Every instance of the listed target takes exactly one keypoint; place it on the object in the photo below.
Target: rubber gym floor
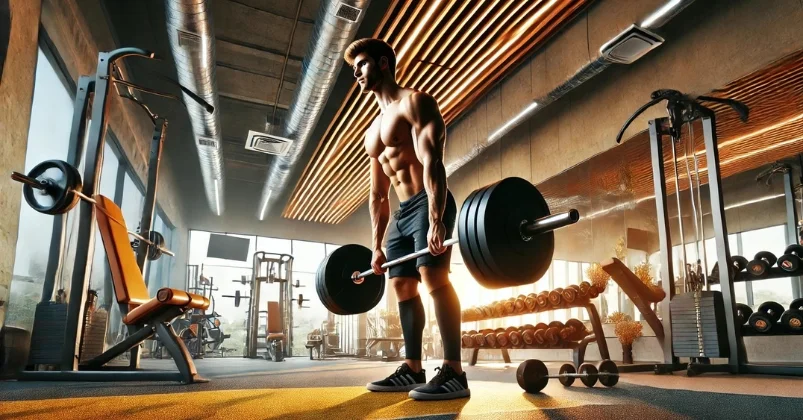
(334, 389)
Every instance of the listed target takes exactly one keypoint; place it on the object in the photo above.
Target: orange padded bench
(144, 316)
(274, 328)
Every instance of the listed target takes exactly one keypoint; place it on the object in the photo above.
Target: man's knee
(434, 277)
(405, 287)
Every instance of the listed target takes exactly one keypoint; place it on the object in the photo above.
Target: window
(48, 138)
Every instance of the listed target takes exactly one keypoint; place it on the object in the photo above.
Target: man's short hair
(374, 48)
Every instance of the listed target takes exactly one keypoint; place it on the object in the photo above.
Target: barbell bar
(529, 229)
(64, 191)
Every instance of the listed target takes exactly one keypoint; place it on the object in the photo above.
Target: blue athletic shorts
(408, 233)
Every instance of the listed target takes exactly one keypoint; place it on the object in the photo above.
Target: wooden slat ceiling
(623, 174)
(455, 50)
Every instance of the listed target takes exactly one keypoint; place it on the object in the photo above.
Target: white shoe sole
(402, 388)
(423, 396)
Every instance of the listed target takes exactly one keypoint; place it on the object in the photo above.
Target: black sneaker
(404, 379)
(446, 385)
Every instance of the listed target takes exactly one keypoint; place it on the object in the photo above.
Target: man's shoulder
(417, 101)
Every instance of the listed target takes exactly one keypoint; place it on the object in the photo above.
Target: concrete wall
(707, 45)
(79, 30)
(16, 96)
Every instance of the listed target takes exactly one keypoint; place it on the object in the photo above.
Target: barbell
(533, 375)
(505, 234)
(54, 187)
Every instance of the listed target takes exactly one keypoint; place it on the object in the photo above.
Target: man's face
(367, 72)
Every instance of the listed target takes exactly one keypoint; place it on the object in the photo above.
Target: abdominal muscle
(406, 173)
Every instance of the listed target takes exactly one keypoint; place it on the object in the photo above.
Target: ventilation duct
(654, 20)
(335, 28)
(192, 40)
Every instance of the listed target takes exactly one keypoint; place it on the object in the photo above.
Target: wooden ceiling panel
(455, 50)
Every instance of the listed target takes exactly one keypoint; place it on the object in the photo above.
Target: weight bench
(638, 292)
(143, 316)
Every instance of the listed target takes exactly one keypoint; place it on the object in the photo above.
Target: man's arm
(378, 204)
(430, 136)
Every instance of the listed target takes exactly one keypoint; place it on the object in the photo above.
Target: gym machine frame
(252, 330)
(94, 90)
(737, 357)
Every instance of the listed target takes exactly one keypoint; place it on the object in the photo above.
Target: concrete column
(16, 96)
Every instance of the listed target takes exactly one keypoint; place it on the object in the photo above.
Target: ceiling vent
(189, 40)
(630, 45)
(349, 13)
(268, 143)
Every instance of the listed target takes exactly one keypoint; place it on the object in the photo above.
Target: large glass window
(48, 138)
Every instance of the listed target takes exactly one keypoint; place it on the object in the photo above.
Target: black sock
(412, 318)
(447, 312)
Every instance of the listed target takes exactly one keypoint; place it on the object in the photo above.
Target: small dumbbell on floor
(766, 316)
(533, 375)
(792, 319)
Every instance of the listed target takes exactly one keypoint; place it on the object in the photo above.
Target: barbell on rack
(505, 234)
(54, 187)
(237, 297)
(533, 375)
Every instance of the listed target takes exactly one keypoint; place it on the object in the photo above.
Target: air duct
(654, 20)
(335, 28)
(192, 42)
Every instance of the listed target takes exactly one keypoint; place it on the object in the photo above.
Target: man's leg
(447, 312)
(412, 318)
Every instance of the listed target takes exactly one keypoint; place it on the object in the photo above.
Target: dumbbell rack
(578, 347)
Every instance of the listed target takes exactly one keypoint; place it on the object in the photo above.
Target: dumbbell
(552, 334)
(509, 306)
(766, 316)
(466, 341)
(515, 338)
(528, 336)
(791, 258)
(793, 318)
(584, 287)
(739, 263)
(520, 305)
(743, 313)
(533, 375)
(539, 338)
(556, 297)
(490, 339)
(570, 293)
(761, 263)
(542, 300)
(580, 331)
(530, 302)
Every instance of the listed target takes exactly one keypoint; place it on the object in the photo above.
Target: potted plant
(627, 331)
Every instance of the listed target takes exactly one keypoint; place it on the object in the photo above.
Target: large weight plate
(532, 376)
(339, 294)
(466, 232)
(512, 259)
(58, 197)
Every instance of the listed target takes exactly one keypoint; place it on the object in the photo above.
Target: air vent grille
(207, 142)
(349, 13)
(189, 40)
(267, 143)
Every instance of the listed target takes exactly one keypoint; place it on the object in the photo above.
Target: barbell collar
(529, 229)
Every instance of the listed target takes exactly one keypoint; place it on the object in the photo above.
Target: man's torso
(390, 139)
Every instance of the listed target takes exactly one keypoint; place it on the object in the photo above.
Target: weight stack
(49, 330)
(94, 335)
(698, 325)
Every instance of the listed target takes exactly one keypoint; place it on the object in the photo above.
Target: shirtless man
(405, 144)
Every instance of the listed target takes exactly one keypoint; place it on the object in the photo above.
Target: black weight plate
(794, 249)
(775, 308)
(567, 368)
(797, 304)
(343, 296)
(768, 256)
(591, 371)
(473, 257)
(608, 367)
(739, 262)
(58, 197)
(789, 263)
(532, 376)
(743, 313)
(792, 320)
(513, 259)
(320, 282)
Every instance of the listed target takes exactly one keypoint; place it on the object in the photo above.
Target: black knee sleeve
(447, 312)
(412, 318)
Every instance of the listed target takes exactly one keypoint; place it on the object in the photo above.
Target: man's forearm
(380, 213)
(435, 184)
